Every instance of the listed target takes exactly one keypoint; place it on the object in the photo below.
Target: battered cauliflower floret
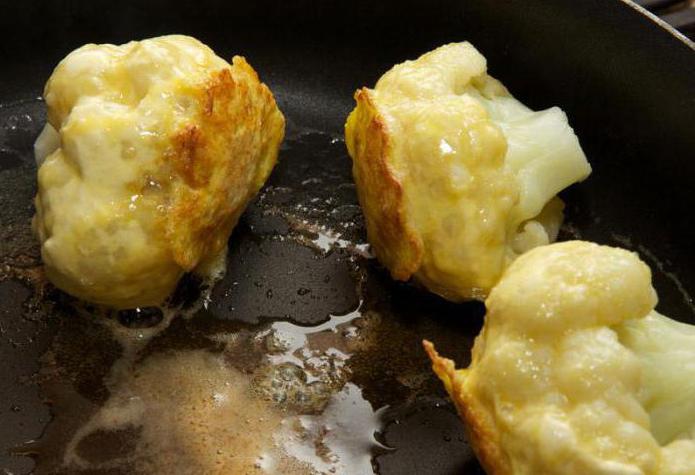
(456, 178)
(574, 373)
(151, 152)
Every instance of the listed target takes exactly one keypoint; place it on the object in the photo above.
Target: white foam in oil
(194, 412)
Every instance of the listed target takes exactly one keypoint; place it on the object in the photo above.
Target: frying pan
(626, 82)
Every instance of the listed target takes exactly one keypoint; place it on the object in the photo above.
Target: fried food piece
(455, 177)
(151, 152)
(574, 373)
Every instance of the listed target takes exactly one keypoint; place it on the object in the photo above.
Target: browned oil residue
(304, 359)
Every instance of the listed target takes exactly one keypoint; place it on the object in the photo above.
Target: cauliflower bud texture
(151, 152)
(456, 178)
(574, 373)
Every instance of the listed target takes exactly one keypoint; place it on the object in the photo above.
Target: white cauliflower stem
(457, 178)
(666, 349)
(574, 373)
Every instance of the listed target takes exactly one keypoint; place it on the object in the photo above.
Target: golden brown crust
(167, 172)
(480, 427)
(187, 159)
(222, 157)
(379, 190)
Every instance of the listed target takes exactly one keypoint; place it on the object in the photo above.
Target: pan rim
(654, 19)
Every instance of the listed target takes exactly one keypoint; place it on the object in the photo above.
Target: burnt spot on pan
(20, 124)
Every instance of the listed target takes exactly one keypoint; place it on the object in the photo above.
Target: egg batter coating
(455, 177)
(151, 153)
(574, 373)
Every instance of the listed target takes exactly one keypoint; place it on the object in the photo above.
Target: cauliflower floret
(574, 373)
(151, 152)
(456, 178)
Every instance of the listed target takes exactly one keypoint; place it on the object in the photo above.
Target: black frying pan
(626, 82)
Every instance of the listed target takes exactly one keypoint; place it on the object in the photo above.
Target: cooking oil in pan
(305, 358)
(200, 394)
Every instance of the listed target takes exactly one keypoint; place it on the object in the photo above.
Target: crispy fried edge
(379, 189)
(189, 157)
(480, 426)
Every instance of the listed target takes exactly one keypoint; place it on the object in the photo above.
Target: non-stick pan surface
(298, 254)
